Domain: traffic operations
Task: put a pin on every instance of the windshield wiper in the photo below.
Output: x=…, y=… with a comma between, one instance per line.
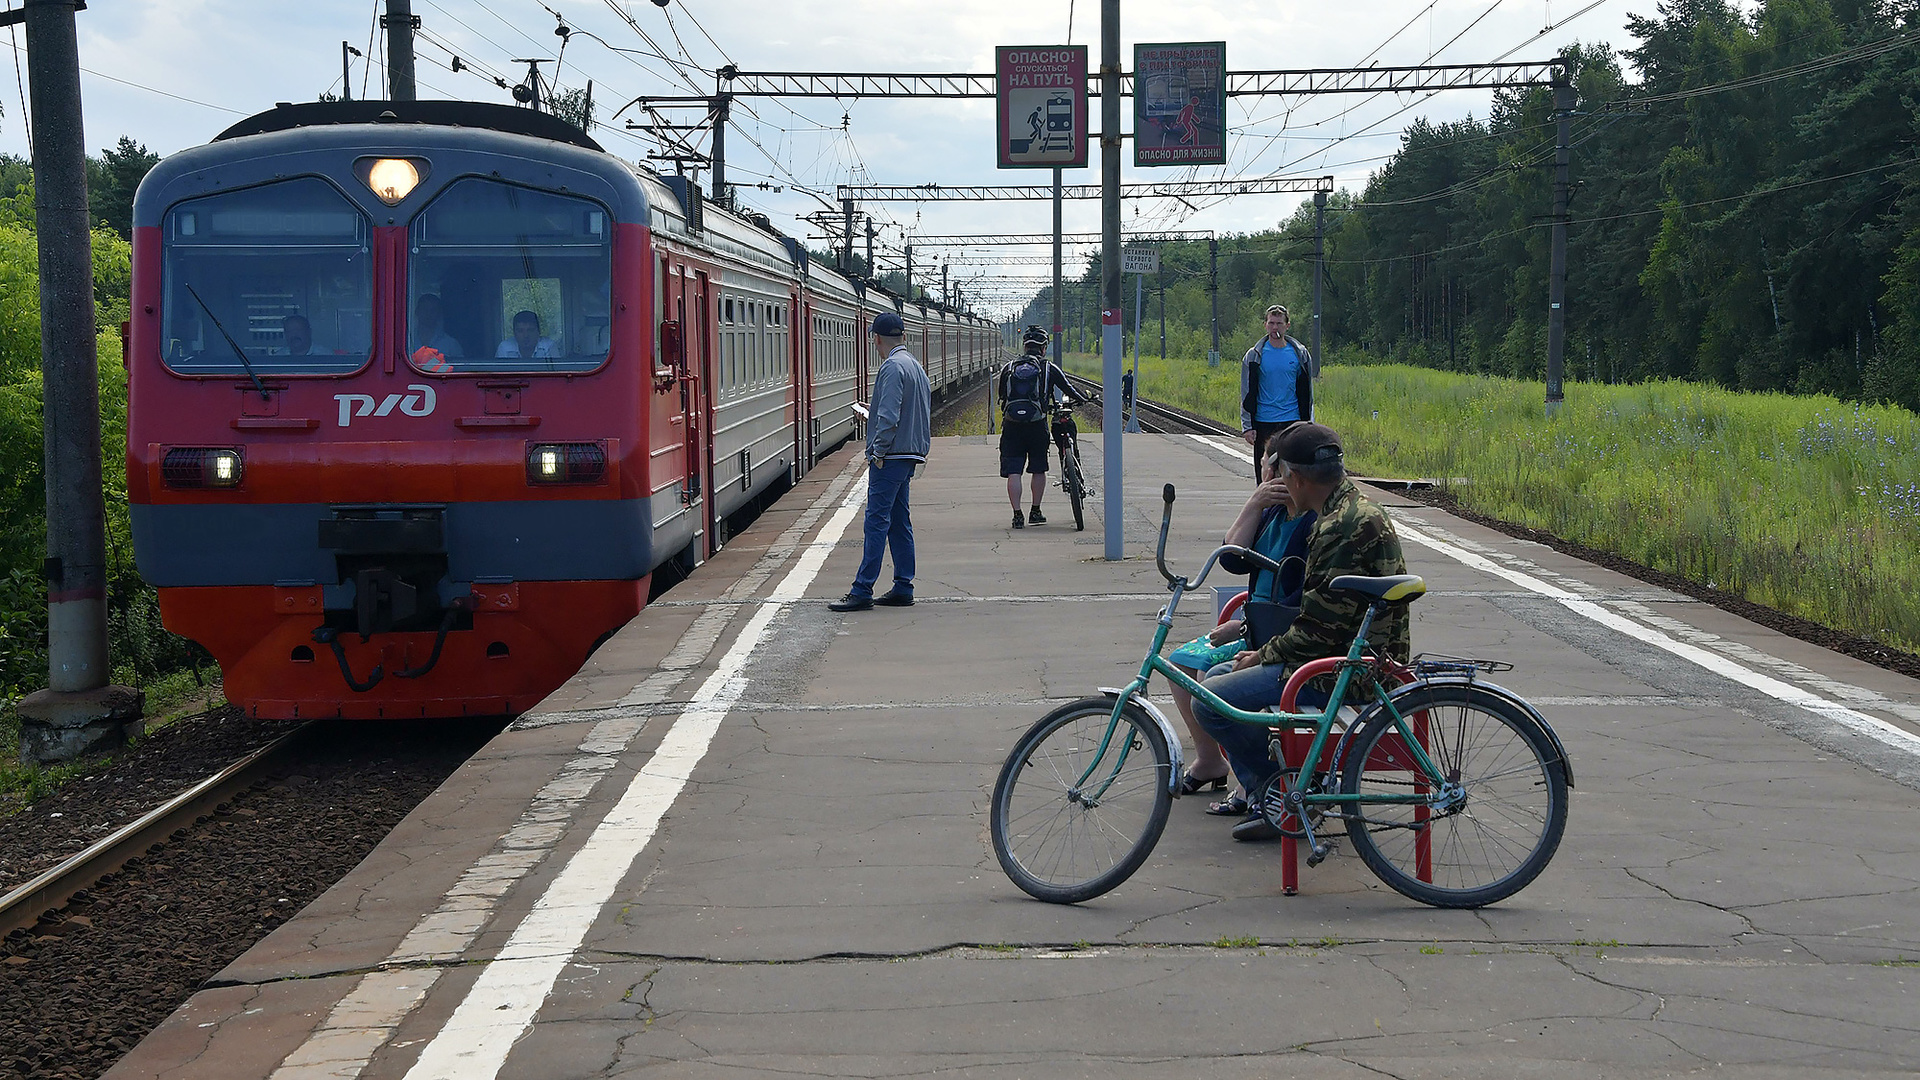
x=232, y=344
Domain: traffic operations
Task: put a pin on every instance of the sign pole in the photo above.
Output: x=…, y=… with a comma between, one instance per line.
x=1110, y=347
x=1133, y=409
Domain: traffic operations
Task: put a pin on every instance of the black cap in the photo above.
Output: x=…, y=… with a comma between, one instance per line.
x=1309, y=444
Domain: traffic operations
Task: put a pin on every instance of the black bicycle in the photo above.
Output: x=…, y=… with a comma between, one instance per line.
x=1066, y=439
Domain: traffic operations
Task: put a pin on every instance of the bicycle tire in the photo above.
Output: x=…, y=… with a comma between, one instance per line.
x=1494, y=843
x=1076, y=490
x=1050, y=842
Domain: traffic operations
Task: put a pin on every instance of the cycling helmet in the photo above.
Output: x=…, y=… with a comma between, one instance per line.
x=1034, y=340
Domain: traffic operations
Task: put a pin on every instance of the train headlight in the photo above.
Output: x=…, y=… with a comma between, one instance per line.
x=391, y=179
x=203, y=467
x=566, y=463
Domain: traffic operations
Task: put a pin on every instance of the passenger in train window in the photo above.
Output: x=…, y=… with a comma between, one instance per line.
x=297, y=334
x=526, y=342
x=429, y=328
x=899, y=437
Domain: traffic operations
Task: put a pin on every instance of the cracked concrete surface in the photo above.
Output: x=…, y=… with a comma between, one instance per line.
x=1736, y=892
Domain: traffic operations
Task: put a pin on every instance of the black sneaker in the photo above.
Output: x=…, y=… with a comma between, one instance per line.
x=852, y=602
x=1255, y=828
x=1036, y=517
x=1019, y=520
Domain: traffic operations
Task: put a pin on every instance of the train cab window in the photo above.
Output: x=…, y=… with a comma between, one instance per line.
x=509, y=279
x=276, y=278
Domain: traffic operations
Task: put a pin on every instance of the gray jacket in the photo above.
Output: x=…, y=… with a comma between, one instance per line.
x=901, y=420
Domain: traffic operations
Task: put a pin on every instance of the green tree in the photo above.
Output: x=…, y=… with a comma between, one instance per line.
x=112, y=179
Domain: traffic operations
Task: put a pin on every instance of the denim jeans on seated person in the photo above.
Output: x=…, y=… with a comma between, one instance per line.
x=888, y=526
x=1251, y=690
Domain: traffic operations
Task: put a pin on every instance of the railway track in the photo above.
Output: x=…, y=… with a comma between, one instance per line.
x=1159, y=419
x=24, y=906
x=90, y=969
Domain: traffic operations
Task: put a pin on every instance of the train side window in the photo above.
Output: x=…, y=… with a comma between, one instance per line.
x=509, y=279
x=282, y=273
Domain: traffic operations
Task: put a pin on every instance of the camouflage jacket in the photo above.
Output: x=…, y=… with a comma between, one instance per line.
x=1352, y=536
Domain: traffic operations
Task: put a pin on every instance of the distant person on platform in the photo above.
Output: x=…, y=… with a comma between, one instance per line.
x=899, y=436
x=526, y=342
x=1276, y=386
x=1027, y=386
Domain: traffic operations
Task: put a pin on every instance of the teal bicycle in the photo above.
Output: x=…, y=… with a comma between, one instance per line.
x=1452, y=790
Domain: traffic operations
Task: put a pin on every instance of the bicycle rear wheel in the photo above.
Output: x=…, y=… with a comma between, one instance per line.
x=1062, y=841
x=1076, y=488
x=1491, y=843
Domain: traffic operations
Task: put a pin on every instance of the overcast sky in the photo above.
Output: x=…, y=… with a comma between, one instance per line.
x=173, y=73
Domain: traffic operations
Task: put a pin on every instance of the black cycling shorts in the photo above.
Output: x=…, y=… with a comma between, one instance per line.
x=1023, y=447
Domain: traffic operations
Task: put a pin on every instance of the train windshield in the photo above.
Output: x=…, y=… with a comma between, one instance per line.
x=509, y=279
x=281, y=273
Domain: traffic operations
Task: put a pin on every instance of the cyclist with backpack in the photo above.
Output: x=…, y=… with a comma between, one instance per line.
x=1027, y=385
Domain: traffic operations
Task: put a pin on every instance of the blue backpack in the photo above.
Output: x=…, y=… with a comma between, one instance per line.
x=1026, y=390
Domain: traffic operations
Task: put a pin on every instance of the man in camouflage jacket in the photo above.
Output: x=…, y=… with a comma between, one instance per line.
x=1351, y=536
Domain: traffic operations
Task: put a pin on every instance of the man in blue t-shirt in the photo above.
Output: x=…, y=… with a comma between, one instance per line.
x=1276, y=386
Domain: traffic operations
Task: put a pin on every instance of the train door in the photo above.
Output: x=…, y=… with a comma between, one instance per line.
x=799, y=335
x=699, y=417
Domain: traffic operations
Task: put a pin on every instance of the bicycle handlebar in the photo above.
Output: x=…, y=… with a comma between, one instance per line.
x=1166, y=522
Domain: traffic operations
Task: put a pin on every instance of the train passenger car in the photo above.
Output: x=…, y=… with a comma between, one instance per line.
x=422, y=394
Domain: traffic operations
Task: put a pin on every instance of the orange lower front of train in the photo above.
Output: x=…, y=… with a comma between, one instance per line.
x=522, y=641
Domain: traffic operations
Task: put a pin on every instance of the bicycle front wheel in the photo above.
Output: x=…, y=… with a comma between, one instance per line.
x=1076, y=487
x=1063, y=839
x=1501, y=831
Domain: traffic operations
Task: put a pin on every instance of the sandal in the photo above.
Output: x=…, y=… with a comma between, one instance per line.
x=1189, y=783
x=1231, y=806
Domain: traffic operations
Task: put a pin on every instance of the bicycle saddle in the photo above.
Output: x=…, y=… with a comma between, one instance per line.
x=1389, y=589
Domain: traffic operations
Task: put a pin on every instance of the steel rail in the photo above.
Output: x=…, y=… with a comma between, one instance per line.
x=53, y=888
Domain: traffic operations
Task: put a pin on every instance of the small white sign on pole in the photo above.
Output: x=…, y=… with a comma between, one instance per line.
x=1139, y=260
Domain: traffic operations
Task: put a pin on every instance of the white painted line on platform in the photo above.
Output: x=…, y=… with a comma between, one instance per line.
x=1244, y=453
x=1871, y=726
x=366, y=1018
x=476, y=1040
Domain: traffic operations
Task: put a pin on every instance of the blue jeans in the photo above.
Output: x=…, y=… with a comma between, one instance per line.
x=1253, y=689
x=888, y=527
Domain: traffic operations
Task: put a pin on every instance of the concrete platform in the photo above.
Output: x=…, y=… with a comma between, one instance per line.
x=749, y=839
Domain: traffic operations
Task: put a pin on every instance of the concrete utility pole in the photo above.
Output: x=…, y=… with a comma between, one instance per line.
x=721, y=106
x=346, y=71
x=78, y=713
x=1319, y=269
x=1058, y=237
x=1563, y=99
x=846, y=247
x=1110, y=349
x=870, y=230
x=1213, y=291
x=401, y=22
x=909, y=272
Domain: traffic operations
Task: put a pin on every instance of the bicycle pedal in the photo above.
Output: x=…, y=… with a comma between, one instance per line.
x=1319, y=854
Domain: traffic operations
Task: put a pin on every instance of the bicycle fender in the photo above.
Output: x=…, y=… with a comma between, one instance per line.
x=1174, y=752
x=1506, y=695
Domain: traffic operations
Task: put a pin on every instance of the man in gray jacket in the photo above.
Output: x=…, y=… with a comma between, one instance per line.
x=899, y=435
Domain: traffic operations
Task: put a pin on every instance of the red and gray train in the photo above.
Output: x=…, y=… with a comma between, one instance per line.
x=422, y=394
